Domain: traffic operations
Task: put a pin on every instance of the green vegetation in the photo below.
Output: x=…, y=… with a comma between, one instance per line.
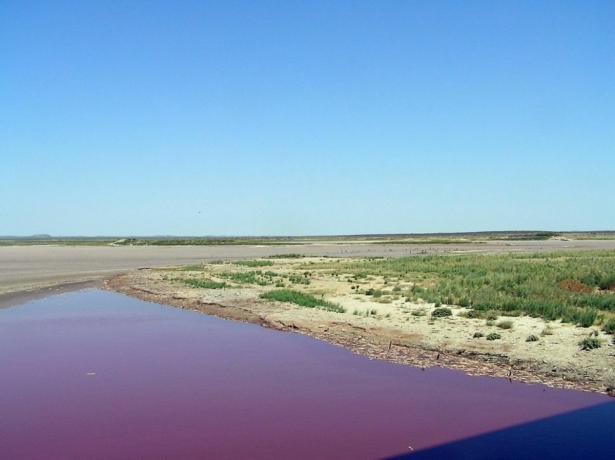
x=441, y=312
x=254, y=263
x=531, y=338
x=298, y=279
x=286, y=256
x=530, y=284
x=263, y=278
x=203, y=283
x=494, y=336
x=609, y=326
x=590, y=343
x=478, y=335
x=302, y=299
x=505, y=324
x=192, y=268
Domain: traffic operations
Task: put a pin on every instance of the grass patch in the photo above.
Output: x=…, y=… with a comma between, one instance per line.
x=494, y=336
x=609, y=326
x=537, y=284
x=531, y=338
x=302, y=299
x=253, y=263
x=286, y=256
x=203, y=283
x=505, y=324
x=590, y=343
x=254, y=277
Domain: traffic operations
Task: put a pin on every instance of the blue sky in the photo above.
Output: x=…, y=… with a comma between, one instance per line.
x=249, y=118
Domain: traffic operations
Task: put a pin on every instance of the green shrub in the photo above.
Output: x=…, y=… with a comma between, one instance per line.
x=298, y=279
x=609, y=326
x=478, y=335
x=590, y=343
x=255, y=277
x=302, y=299
x=494, y=336
x=531, y=338
x=505, y=324
x=441, y=312
x=203, y=283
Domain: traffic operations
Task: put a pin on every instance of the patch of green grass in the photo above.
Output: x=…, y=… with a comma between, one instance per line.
x=302, y=299
x=590, y=343
x=298, y=279
x=286, y=256
x=254, y=263
x=494, y=336
x=505, y=324
x=515, y=283
x=254, y=277
x=609, y=326
x=203, y=283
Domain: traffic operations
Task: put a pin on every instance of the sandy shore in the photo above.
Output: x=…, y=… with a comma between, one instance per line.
x=392, y=331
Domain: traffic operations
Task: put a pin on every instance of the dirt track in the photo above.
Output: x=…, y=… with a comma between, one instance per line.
x=28, y=268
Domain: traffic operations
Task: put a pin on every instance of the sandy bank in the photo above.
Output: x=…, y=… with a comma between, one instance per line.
x=393, y=331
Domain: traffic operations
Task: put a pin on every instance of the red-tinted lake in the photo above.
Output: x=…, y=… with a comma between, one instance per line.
x=97, y=375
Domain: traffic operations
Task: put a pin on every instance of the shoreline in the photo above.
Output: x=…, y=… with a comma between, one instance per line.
x=18, y=297
x=372, y=342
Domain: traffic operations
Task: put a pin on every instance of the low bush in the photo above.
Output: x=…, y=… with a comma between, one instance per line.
x=203, y=283
x=531, y=338
x=302, y=299
x=505, y=324
x=590, y=343
x=494, y=336
x=441, y=312
x=609, y=326
x=478, y=335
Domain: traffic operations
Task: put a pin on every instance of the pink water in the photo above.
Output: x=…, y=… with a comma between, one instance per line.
x=97, y=375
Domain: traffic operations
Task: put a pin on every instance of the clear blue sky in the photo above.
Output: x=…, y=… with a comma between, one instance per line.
x=289, y=117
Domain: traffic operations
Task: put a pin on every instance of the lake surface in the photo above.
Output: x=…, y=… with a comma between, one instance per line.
x=98, y=375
